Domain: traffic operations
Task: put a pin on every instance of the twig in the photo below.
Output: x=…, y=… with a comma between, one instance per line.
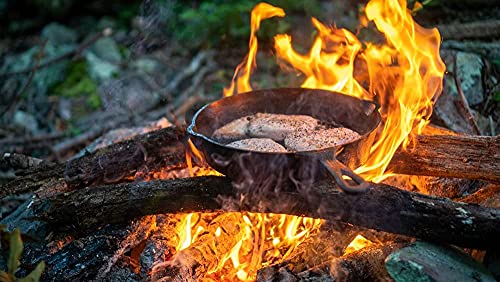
x=492, y=125
x=195, y=64
x=59, y=149
x=73, y=53
x=466, y=111
x=31, y=139
x=30, y=79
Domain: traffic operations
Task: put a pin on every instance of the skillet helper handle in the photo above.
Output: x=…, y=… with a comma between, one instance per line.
x=338, y=169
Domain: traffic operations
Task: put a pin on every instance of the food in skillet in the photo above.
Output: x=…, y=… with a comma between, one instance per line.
x=301, y=140
x=263, y=131
x=277, y=126
x=258, y=144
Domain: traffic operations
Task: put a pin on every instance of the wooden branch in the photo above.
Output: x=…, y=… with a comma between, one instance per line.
x=383, y=207
x=367, y=264
x=464, y=107
x=153, y=150
x=473, y=157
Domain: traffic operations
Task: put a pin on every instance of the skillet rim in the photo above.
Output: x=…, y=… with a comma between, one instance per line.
x=192, y=125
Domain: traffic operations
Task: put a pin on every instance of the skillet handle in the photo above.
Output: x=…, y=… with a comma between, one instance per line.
x=338, y=169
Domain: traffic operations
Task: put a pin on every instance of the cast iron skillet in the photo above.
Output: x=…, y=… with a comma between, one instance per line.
x=359, y=115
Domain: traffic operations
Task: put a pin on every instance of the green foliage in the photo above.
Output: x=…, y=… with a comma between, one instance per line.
x=15, y=250
x=496, y=96
x=220, y=22
x=79, y=84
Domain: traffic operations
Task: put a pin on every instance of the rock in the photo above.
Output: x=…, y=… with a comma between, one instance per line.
x=422, y=261
x=100, y=69
x=131, y=93
x=146, y=65
x=107, y=49
x=446, y=112
x=487, y=49
x=59, y=34
x=469, y=72
x=26, y=121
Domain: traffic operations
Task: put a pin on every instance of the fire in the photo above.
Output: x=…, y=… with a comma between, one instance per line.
x=404, y=75
x=242, y=243
x=241, y=78
x=358, y=243
x=261, y=239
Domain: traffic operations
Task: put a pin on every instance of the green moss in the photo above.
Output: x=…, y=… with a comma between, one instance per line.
x=79, y=84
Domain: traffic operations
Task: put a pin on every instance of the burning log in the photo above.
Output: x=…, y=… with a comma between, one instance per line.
x=366, y=264
x=157, y=149
x=473, y=157
x=382, y=207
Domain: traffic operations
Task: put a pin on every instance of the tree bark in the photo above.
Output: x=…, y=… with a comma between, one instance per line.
x=110, y=164
x=383, y=207
x=472, y=157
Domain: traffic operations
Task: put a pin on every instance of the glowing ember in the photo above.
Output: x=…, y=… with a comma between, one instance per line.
x=404, y=76
x=239, y=244
x=358, y=243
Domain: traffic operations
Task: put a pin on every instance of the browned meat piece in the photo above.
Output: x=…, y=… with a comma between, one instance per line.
x=308, y=140
x=235, y=130
x=277, y=126
x=258, y=144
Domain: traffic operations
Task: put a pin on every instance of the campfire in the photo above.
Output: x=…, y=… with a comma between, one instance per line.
x=263, y=219
x=404, y=75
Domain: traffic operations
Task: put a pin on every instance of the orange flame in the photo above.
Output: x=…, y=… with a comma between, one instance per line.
x=241, y=78
x=404, y=74
x=259, y=240
x=359, y=242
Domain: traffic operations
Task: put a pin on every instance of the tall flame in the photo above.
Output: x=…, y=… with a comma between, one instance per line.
x=404, y=75
x=241, y=78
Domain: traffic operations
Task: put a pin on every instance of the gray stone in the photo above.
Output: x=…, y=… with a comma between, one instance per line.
x=145, y=65
x=446, y=112
x=131, y=93
x=45, y=77
x=107, y=49
x=26, y=121
x=469, y=72
x=422, y=261
x=100, y=69
x=59, y=34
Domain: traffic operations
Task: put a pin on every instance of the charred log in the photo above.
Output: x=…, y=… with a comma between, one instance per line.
x=367, y=264
x=382, y=207
x=110, y=164
x=472, y=157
